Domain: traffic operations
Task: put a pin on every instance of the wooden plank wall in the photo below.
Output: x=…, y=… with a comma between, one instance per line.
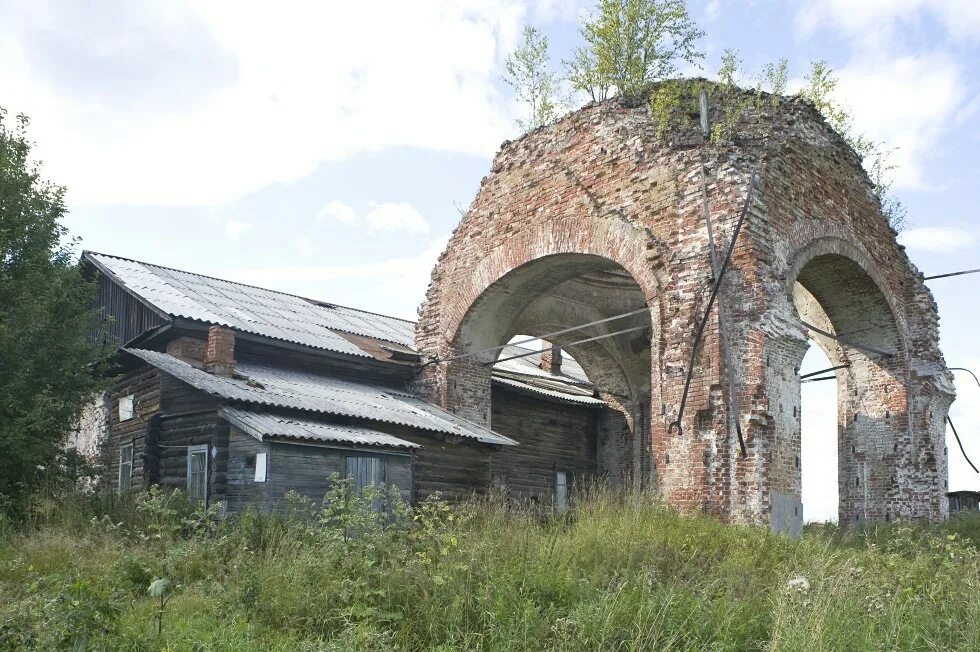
x=129, y=316
x=188, y=417
x=144, y=384
x=294, y=467
x=552, y=437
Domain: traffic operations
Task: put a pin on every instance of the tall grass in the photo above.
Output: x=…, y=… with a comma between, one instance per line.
x=618, y=573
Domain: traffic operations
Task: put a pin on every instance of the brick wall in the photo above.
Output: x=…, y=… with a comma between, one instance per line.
x=600, y=185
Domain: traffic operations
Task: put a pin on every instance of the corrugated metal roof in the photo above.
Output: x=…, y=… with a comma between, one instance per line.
x=250, y=309
x=262, y=424
x=562, y=396
x=303, y=390
x=529, y=365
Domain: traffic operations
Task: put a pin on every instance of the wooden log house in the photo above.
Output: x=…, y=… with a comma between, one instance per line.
x=240, y=394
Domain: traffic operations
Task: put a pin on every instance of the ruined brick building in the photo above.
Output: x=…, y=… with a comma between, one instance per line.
x=603, y=218
x=605, y=213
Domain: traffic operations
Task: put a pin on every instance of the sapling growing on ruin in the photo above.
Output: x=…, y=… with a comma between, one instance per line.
x=534, y=84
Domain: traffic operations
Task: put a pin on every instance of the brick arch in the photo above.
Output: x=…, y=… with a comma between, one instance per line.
x=607, y=240
x=843, y=289
x=827, y=246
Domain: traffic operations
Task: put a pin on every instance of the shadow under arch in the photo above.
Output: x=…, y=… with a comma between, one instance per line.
x=556, y=293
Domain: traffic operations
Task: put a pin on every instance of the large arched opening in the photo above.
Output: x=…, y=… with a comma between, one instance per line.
x=591, y=310
x=849, y=320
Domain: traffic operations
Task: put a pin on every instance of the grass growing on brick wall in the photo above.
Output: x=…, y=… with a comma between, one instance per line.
x=619, y=573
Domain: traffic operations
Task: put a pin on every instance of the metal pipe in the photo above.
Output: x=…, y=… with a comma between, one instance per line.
x=967, y=271
x=823, y=371
x=707, y=311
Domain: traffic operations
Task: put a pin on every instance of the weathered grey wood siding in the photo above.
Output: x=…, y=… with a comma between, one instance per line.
x=188, y=417
x=129, y=316
x=551, y=436
x=295, y=467
x=144, y=384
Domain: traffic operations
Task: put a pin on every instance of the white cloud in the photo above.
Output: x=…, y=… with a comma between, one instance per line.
x=941, y=239
x=278, y=91
x=395, y=286
x=381, y=217
x=235, y=228
x=337, y=210
x=908, y=98
x=907, y=102
x=305, y=245
x=877, y=20
x=395, y=217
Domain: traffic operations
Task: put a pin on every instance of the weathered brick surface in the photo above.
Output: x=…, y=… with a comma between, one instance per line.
x=600, y=188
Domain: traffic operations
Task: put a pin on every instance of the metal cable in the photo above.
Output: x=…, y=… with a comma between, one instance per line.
x=967, y=371
x=960, y=444
x=967, y=271
x=590, y=339
x=707, y=311
x=539, y=337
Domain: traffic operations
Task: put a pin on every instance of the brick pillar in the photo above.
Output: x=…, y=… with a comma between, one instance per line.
x=219, y=356
x=551, y=357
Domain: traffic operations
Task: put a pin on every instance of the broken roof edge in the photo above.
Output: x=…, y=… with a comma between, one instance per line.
x=251, y=423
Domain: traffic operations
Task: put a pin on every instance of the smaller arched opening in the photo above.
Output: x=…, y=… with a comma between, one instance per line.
x=852, y=419
x=580, y=408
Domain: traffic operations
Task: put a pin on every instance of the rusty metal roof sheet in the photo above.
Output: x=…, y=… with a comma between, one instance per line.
x=251, y=309
x=261, y=384
x=262, y=425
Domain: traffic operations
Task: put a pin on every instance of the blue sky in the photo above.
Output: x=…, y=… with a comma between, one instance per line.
x=328, y=148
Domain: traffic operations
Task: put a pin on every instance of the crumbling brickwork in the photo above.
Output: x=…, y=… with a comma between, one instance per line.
x=577, y=217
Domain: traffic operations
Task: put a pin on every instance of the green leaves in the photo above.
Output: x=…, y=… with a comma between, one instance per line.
x=631, y=43
x=48, y=364
x=533, y=84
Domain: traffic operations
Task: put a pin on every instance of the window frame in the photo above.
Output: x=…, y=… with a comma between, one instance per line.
x=128, y=465
x=569, y=490
x=191, y=451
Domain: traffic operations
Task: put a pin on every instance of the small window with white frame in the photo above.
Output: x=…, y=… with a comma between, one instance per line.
x=125, y=467
x=197, y=473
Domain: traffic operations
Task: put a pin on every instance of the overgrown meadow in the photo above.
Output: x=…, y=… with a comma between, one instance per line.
x=149, y=572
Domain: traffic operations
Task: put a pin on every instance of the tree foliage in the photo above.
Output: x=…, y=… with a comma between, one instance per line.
x=48, y=365
x=533, y=83
x=819, y=89
x=631, y=43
